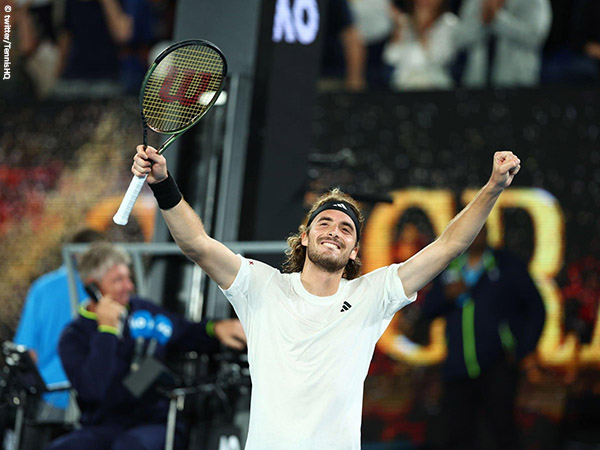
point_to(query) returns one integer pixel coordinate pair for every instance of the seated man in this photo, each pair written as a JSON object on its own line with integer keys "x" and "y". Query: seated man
{"x": 97, "y": 351}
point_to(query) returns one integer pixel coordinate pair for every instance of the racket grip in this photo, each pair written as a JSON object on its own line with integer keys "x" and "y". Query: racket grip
{"x": 133, "y": 191}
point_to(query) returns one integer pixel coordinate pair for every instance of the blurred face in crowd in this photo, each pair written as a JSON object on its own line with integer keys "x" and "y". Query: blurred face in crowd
{"x": 435, "y": 5}
{"x": 117, "y": 284}
{"x": 480, "y": 242}
{"x": 331, "y": 241}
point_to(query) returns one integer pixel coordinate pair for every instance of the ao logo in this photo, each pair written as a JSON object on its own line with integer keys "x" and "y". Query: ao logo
{"x": 297, "y": 23}
{"x": 165, "y": 329}
{"x": 138, "y": 323}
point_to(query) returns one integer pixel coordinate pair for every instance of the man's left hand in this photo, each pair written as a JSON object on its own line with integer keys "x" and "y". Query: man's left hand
{"x": 506, "y": 166}
{"x": 231, "y": 333}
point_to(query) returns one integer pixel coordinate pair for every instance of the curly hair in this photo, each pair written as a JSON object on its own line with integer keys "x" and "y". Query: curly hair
{"x": 296, "y": 253}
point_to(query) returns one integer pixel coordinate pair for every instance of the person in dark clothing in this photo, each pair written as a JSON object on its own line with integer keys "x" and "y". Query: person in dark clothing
{"x": 494, "y": 318}
{"x": 103, "y": 47}
{"x": 585, "y": 36}
{"x": 344, "y": 52}
{"x": 97, "y": 350}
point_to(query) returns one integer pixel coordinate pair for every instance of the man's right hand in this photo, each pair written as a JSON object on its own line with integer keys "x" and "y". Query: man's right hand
{"x": 147, "y": 161}
{"x": 109, "y": 312}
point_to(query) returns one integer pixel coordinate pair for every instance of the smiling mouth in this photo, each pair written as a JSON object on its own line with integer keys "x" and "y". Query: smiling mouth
{"x": 330, "y": 244}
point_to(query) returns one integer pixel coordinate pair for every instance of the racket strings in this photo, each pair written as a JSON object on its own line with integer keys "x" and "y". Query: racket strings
{"x": 182, "y": 87}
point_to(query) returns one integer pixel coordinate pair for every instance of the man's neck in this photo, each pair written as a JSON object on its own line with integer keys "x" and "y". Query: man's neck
{"x": 320, "y": 282}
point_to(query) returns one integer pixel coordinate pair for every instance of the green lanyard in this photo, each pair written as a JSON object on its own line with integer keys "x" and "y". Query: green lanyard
{"x": 468, "y": 313}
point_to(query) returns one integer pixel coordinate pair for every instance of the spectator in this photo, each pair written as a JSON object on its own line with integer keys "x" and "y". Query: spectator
{"x": 99, "y": 46}
{"x": 422, "y": 48}
{"x": 98, "y": 355}
{"x": 46, "y": 312}
{"x": 494, "y": 318}
{"x": 19, "y": 85}
{"x": 581, "y": 297}
{"x": 586, "y": 37}
{"x": 566, "y": 60}
{"x": 503, "y": 41}
{"x": 344, "y": 53}
{"x": 43, "y": 56}
{"x": 375, "y": 23}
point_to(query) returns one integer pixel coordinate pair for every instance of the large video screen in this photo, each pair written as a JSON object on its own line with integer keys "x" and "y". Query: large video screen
{"x": 429, "y": 153}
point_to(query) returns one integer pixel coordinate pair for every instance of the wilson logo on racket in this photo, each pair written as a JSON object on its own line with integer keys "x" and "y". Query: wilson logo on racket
{"x": 184, "y": 95}
{"x": 179, "y": 88}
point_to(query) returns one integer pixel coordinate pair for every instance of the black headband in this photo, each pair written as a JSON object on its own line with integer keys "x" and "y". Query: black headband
{"x": 342, "y": 206}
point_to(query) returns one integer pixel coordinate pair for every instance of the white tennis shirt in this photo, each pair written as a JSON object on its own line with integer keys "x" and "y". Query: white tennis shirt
{"x": 309, "y": 355}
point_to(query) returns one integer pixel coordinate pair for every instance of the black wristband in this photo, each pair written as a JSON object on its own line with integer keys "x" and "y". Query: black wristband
{"x": 166, "y": 192}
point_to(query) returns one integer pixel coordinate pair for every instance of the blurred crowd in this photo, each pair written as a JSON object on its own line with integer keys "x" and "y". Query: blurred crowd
{"x": 80, "y": 48}
{"x": 67, "y": 49}
{"x": 440, "y": 44}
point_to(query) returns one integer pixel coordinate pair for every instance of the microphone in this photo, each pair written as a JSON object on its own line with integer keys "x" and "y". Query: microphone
{"x": 152, "y": 372}
{"x": 141, "y": 326}
{"x": 163, "y": 329}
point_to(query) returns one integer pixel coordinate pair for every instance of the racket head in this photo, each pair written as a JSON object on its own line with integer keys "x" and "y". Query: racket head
{"x": 181, "y": 86}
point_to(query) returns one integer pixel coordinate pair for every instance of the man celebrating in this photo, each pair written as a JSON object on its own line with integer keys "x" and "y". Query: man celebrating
{"x": 311, "y": 333}
{"x": 98, "y": 352}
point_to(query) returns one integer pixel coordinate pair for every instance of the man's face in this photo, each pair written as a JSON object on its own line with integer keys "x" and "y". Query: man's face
{"x": 331, "y": 240}
{"x": 117, "y": 284}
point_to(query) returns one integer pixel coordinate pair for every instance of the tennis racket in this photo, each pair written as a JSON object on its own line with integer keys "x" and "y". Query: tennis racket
{"x": 179, "y": 88}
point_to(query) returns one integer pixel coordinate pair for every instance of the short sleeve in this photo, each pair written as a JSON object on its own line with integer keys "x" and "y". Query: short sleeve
{"x": 245, "y": 293}
{"x": 27, "y": 330}
{"x": 392, "y": 296}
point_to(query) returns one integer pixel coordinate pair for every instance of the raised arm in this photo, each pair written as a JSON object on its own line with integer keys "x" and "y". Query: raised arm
{"x": 470, "y": 29}
{"x": 220, "y": 263}
{"x": 460, "y": 232}
{"x": 528, "y": 25}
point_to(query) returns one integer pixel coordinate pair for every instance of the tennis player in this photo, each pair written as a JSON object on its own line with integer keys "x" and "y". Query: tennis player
{"x": 312, "y": 332}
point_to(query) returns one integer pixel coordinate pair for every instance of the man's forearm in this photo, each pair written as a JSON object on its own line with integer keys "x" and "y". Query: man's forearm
{"x": 531, "y": 29}
{"x": 187, "y": 229}
{"x": 462, "y": 230}
{"x": 120, "y": 24}
{"x": 219, "y": 262}
{"x": 355, "y": 54}
{"x": 460, "y": 233}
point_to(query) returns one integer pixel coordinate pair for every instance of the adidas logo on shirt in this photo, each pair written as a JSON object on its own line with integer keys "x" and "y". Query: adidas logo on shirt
{"x": 345, "y": 307}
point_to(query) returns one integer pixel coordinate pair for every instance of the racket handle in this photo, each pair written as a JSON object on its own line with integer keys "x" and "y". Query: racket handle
{"x": 133, "y": 191}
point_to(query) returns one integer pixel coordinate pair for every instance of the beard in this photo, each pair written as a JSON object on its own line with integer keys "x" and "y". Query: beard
{"x": 328, "y": 263}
